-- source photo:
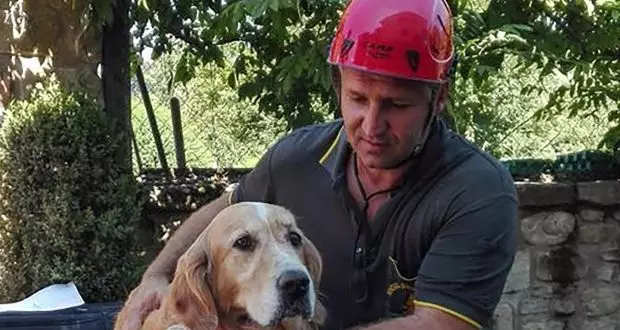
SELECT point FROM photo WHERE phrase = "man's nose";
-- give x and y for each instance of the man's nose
(374, 122)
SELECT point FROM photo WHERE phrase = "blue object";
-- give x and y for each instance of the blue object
(96, 316)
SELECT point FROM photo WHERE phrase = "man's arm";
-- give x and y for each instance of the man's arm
(184, 236)
(424, 318)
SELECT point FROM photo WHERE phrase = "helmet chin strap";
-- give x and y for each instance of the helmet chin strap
(419, 145)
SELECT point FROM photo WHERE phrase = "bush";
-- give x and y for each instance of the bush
(68, 212)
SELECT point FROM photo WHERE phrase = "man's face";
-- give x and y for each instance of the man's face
(383, 117)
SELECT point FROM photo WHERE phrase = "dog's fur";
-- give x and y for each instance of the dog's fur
(228, 277)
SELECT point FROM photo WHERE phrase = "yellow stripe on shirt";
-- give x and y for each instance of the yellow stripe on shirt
(331, 147)
(448, 311)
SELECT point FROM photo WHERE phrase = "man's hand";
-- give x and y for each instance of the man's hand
(144, 299)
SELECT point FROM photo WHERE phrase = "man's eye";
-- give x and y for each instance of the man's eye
(400, 105)
(357, 99)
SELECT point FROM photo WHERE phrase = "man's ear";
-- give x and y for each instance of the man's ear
(191, 293)
(442, 98)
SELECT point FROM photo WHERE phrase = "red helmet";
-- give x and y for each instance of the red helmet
(409, 39)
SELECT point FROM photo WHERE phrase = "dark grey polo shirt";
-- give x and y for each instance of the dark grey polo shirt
(446, 239)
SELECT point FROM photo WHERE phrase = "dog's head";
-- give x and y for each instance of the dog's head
(251, 267)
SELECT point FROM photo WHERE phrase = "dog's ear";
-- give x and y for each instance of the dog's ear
(314, 262)
(191, 293)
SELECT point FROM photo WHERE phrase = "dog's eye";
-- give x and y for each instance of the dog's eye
(295, 239)
(245, 243)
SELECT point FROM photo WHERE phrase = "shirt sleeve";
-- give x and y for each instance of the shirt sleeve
(256, 185)
(466, 267)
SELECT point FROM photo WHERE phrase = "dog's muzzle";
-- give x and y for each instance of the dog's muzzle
(294, 286)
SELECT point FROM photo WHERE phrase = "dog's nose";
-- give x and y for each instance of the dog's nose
(293, 284)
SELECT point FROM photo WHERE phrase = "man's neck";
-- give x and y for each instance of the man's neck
(376, 179)
(376, 184)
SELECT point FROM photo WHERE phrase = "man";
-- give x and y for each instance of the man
(416, 227)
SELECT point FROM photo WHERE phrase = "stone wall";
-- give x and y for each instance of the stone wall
(38, 38)
(567, 271)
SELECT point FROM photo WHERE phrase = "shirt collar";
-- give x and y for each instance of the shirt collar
(333, 160)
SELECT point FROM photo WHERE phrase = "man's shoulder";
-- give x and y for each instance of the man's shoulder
(307, 141)
(481, 169)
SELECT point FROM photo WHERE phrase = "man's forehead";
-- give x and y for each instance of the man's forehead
(353, 76)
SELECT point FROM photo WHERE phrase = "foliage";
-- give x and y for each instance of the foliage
(218, 129)
(281, 47)
(569, 49)
(283, 42)
(68, 211)
(571, 46)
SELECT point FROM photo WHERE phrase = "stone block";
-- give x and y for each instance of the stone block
(611, 256)
(544, 325)
(541, 289)
(606, 272)
(548, 228)
(593, 233)
(562, 264)
(616, 215)
(592, 215)
(599, 192)
(563, 306)
(534, 305)
(598, 301)
(609, 250)
(545, 194)
(603, 323)
(503, 317)
(519, 276)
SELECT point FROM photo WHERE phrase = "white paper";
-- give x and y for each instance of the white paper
(53, 297)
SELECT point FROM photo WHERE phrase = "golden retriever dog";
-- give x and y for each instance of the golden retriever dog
(251, 268)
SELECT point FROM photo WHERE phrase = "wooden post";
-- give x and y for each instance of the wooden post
(136, 150)
(150, 113)
(177, 130)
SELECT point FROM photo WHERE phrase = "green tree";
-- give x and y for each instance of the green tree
(283, 50)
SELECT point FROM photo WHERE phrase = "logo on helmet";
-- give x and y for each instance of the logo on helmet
(413, 58)
(347, 44)
(377, 50)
